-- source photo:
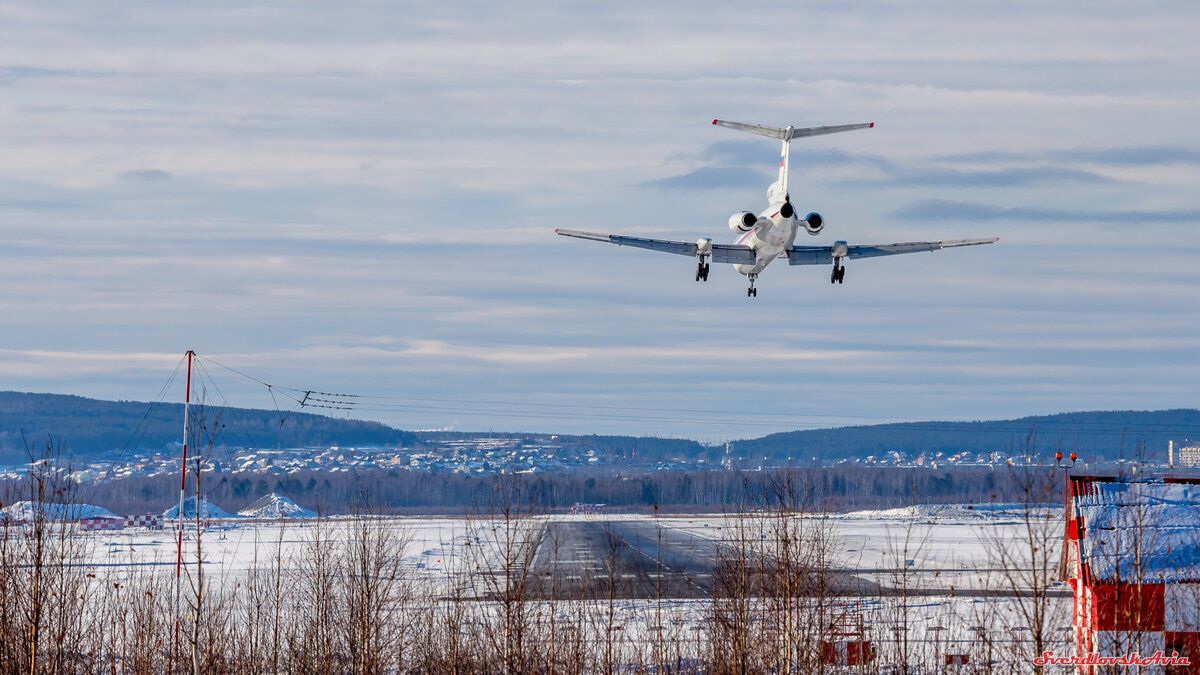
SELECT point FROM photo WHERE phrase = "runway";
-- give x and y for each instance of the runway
(623, 558)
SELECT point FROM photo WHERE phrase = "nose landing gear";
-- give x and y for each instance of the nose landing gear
(752, 292)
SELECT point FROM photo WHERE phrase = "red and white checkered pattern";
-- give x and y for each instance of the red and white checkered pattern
(1181, 607)
(847, 653)
(152, 521)
(1119, 614)
(102, 523)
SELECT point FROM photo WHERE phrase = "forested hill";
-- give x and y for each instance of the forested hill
(1111, 435)
(86, 426)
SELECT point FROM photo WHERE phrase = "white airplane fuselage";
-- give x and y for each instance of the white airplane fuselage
(770, 238)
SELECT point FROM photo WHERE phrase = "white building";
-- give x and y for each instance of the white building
(1187, 456)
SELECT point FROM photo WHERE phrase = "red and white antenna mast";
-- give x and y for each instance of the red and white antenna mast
(187, 400)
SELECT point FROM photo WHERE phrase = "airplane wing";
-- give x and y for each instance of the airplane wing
(721, 253)
(823, 255)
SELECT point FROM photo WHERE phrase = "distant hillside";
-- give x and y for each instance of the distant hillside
(88, 426)
(1110, 435)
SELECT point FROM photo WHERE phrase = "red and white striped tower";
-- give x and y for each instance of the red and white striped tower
(187, 400)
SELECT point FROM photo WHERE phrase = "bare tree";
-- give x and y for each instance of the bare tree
(443, 643)
(511, 532)
(909, 651)
(44, 567)
(376, 595)
(263, 605)
(312, 644)
(730, 616)
(1030, 556)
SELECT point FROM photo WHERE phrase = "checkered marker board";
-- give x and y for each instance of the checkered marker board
(149, 521)
(102, 524)
(847, 653)
(1133, 564)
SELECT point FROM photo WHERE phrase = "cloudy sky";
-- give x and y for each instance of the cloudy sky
(360, 198)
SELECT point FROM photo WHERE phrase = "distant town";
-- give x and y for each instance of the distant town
(484, 455)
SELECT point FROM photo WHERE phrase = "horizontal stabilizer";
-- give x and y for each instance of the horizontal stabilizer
(789, 133)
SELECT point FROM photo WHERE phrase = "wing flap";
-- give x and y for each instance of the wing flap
(823, 255)
(733, 254)
(810, 255)
(721, 253)
(878, 250)
(666, 246)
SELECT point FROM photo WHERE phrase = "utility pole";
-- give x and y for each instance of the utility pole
(1058, 462)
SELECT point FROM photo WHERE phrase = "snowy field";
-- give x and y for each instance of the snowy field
(949, 542)
(944, 555)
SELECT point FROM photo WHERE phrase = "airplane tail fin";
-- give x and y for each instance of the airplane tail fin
(778, 192)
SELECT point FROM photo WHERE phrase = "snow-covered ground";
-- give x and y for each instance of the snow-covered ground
(878, 542)
(949, 559)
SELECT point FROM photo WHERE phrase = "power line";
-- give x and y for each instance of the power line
(483, 408)
(142, 427)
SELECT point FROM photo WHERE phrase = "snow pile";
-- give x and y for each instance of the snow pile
(275, 505)
(207, 510)
(28, 510)
(959, 512)
(1136, 530)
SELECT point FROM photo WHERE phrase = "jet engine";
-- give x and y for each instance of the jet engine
(814, 223)
(742, 222)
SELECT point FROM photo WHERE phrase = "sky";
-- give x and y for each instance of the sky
(360, 198)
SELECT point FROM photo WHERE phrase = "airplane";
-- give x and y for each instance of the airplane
(771, 235)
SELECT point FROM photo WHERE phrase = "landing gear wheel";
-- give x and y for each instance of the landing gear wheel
(838, 275)
(751, 292)
(841, 274)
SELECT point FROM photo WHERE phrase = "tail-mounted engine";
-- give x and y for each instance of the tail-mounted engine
(814, 223)
(742, 222)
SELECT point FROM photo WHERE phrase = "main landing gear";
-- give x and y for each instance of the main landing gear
(752, 292)
(839, 273)
(702, 272)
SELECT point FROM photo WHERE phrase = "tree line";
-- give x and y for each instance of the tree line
(402, 491)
